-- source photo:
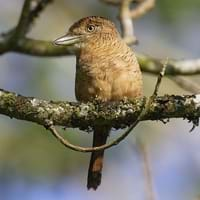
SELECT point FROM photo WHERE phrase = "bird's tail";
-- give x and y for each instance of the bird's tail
(96, 160)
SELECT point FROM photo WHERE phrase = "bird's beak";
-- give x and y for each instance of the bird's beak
(68, 40)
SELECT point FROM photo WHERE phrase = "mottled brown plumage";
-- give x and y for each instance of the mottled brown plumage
(106, 69)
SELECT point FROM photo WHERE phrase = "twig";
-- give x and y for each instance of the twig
(186, 84)
(127, 14)
(31, 9)
(37, 6)
(22, 26)
(142, 9)
(126, 23)
(13, 38)
(161, 74)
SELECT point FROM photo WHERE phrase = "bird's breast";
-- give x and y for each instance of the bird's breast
(92, 83)
(108, 75)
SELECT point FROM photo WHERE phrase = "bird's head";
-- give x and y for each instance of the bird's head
(89, 30)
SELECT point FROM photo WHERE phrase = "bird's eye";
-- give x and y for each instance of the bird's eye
(90, 28)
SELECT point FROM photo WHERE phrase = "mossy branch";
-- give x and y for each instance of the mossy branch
(86, 115)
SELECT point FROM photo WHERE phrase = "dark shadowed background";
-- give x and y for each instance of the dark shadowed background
(33, 165)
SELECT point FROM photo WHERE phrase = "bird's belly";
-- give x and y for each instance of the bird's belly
(108, 85)
(89, 89)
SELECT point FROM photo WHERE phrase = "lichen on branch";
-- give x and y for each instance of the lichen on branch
(86, 115)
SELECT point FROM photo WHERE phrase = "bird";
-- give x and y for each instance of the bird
(106, 69)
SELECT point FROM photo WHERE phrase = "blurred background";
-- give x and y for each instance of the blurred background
(33, 165)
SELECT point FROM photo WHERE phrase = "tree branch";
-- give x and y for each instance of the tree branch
(41, 48)
(30, 11)
(148, 64)
(15, 37)
(86, 115)
(127, 14)
(183, 67)
(23, 24)
(127, 27)
(37, 6)
(142, 8)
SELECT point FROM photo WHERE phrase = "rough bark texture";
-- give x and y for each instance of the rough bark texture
(86, 115)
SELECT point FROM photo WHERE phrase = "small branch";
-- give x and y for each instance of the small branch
(161, 75)
(22, 26)
(127, 14)
(30, 11)
(37, 6)
(71, 146)
(14, 38)
(184, 67)
(9, 40)
(126, 23)
(142, 9)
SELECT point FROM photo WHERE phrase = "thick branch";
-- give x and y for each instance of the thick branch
(41, 48)
(86, 115)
